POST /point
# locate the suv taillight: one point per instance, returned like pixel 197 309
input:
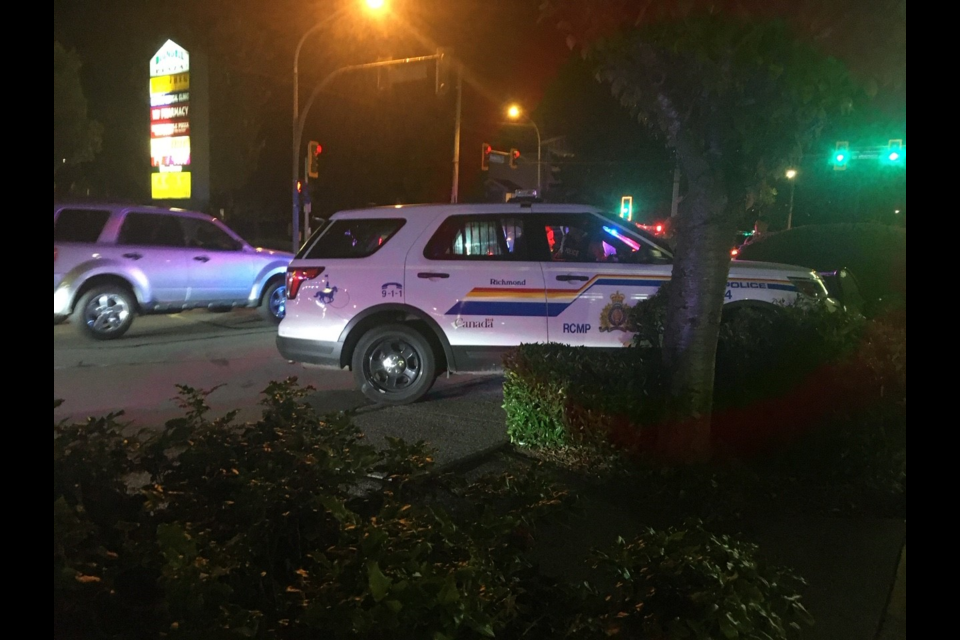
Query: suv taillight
pixel 296 277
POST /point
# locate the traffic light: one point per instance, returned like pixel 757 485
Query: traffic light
pixel 313 158
pixel 626 207
pixel 514 156
pixel 895 153
pixel 841 156
pixel 485 152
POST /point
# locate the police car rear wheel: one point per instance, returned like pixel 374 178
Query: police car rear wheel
pixel 394 365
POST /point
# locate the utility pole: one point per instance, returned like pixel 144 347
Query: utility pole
pixel 301 120
pixel 455 196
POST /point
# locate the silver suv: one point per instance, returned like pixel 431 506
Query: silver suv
pixel 112 262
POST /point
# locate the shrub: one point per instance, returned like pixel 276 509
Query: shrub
pixel 689 583
pixel 292 528
pixel 556 396
pixel 271 530
pixel 782 372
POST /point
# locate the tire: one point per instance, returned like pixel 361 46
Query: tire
pixel 105 312
pixel 394 365
pixel 273 306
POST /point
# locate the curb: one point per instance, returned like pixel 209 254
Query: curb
pixel 474 460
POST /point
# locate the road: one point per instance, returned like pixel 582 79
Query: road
pixel 235 353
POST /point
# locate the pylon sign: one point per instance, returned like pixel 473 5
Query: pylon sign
pixel 170 156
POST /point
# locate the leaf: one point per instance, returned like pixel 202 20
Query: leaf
pixel 729 627
pixel 379 583
pixel 449 594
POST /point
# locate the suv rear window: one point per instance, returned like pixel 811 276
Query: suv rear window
pixel 79 225
pixel 353 239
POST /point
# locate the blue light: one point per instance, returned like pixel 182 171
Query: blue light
pixel 631 243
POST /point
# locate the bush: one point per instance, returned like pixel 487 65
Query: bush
pixel 688 583
pixel 292 528
pixel 875 253
pixel 812 403
pixel 557 396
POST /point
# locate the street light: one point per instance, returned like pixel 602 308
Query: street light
pixel 515 113
pixel 373 6
pixel 792 177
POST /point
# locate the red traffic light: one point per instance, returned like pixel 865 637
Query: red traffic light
pixel 516 154
pixel 317 150
pixel 487 149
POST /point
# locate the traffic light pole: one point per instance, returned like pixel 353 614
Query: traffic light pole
pixel 300 118
pixel 530 123
pixel 455 196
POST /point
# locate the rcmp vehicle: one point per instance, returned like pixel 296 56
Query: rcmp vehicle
pixel 401 294
pixel 112 262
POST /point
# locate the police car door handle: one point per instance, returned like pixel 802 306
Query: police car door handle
pixel 433 276
pixel 572 278
pixel 203 259
pixel 133 256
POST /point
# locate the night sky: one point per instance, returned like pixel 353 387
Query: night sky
pixel 379 147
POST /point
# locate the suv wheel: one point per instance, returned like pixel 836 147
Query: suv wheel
pixel 394 365
pixel 274 305
pixel 104 313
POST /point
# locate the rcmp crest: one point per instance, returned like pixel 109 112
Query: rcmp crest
pixel 616 315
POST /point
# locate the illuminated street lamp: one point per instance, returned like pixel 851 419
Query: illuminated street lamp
pixel 515 113
pixel 792 177
pixel 373 7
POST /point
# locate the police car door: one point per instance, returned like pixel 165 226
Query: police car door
pixel 474 277
pixel 596 272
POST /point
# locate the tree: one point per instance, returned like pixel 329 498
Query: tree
pixel 76 138
pixel 738 95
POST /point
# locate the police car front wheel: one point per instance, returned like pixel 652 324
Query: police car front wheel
pixel 394 365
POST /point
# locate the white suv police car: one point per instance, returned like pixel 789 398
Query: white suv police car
pixel 402 294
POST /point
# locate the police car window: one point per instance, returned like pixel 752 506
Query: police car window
pixel 481 239
pixel 79 225
pixel 587 239
pixel 353 239
pixel 151 230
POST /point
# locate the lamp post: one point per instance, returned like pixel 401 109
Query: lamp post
pixel 515 113
pixel 373 6
pixel 791 175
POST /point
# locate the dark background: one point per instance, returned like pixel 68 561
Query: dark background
pixel 394 146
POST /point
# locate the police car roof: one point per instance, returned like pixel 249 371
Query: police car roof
pixel 520 208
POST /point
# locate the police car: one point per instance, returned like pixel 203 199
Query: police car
pixel 402 294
